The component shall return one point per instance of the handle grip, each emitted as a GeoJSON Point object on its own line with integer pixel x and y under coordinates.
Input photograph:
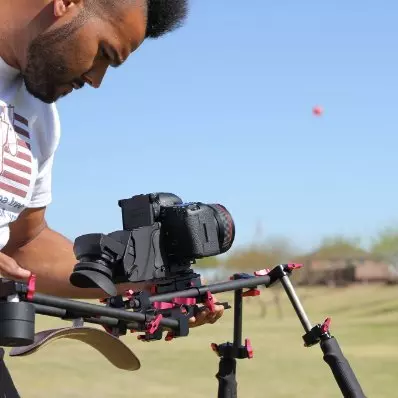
{"type": "Point", "coordinates": [341, 369]}
{"type": "Point", "coordinates": [227, 385]}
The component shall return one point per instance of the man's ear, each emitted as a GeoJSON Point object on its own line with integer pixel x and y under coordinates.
{"type": "Point", "coordinates": [61, 7]}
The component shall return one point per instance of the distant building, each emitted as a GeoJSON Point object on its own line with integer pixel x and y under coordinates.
{"type": "Point", "coordinates": [358, 267]}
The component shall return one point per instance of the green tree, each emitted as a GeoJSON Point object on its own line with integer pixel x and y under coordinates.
{"type": "Point", "coordinates": [339, 247]}
{"type": "Point", "coordinates": [385, 245]}
{"type": "Point", "coordinates": [273, 251]}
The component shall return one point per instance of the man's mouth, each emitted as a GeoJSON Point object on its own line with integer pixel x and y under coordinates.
{"type": "Point", "coordinates": [75, 85]}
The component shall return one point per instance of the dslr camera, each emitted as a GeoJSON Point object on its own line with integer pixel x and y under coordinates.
{"type": "Point", "coordinates": [160, 240]}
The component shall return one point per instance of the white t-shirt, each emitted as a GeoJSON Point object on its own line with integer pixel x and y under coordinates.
{"type": "Point", "coordinates": [29, 137]}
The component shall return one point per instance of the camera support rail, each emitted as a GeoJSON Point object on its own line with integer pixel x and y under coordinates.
{"type": "Point", "coordinates": [19, 303]}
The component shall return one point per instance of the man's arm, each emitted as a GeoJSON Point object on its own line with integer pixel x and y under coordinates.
{"type": "Point", "coordinates": [49, 255]}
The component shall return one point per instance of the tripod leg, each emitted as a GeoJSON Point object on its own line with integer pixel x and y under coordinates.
{"type": "Point", "coordinates": [7, 387]}
{"type": "Point", "coordinates": [227, 385]}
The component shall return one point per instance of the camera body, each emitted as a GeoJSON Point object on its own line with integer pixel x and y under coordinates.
{"type": "Point", "coordinates": [188, 230]}
{"type": "Point", "coordinates": [161, 238]}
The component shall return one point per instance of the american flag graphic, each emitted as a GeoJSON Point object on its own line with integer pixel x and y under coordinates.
{"type": "Point", "coordinates": [15, 154]}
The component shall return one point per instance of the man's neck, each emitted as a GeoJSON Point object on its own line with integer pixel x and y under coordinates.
{"type": "Point", "coordinates": [20, 22]}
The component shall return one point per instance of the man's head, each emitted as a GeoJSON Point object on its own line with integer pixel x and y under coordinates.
{"type": "Point", "coordinates": [82, 38]}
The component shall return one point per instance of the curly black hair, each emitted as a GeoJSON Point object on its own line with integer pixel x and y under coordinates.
{"type": "Point", "coordinates": [165, 16]}
{"type": "Point", "coordinates": [162, 16]}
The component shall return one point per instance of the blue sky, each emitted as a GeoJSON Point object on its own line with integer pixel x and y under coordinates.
{"type": "Point", "coordinates": [220, 111]}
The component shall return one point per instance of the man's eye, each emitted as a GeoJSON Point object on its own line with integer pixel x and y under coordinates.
{"type": "Point", "coordinates": [109, 54]}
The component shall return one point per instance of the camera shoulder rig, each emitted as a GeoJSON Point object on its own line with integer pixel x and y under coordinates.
{"type": "Point", "coordinates": [152, 315]}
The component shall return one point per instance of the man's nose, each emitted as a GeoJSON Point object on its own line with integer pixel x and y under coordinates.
{"type": "Point", "coordinates": [95, 76]}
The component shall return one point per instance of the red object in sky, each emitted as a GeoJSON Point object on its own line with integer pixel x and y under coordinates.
{"type": "Point", "coordinates": [317, 110]}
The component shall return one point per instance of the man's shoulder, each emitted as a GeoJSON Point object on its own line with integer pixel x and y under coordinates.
{"type": "Point", "coordinates": [46, 117]}
{"type": "Point", "coordinates": [37, 121]}
{"type": "Point", "coordinates": [46, 126]}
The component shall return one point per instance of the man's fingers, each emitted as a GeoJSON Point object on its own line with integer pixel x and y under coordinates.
{"type": "Point", "coordinates": [217, 314]}
{"type": "Point", "coordinates": [16, 272]}
{"type": "Point", "coordinates": [205, 316]}
{"type": "Point", "coordinates": [10, 269]}
{"type": "Point", "coordinates": [200, 318]}
{"type": "Point", "coordinates": [21, 273]}
{"type": "Point", "coordinates": [213, 317]}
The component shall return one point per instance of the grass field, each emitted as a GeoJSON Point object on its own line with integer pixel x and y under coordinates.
{"type": "Point", "coordinates": [364, 320]}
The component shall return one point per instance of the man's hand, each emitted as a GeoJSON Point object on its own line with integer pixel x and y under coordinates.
{"type": "Point", "coordinates": [205, 316]}
{"type": "Point", "coordinates": [10, 269]}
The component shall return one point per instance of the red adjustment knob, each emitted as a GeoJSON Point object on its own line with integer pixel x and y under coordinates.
{"type": "Point", "coordinates": [31, 287]}
{"type": "Point", "coordinates": [249, 348]}
{"type": "Point", "coordinates": [103, 300]}
{"type": "Point", "coordinates": [154, 324]}
{"type": "Point", "coordinates": [214, 347]}
{"type": "Point", "coordinates": [325, 325]}
{"type": "Point", "coordinates": [294, 266]}
{"type": "Point", "coordinates": [251, 293]}
{"type": "Point", "coordinates": [184, 300]}
{"type": "Point", "coordinates": [153, 289]}
{"type": "Point", "coordinates": [209, 302]}
{"type": "Point", "coordinates": [169, 336]}
{"type": "Point", "coordinates": [262, 272]}
{"type": "Point", "coordinates": [159, 305]}
{"type": "Point", "coordinates": [129, 294]}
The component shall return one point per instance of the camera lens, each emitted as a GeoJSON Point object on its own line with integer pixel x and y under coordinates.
{"type": "Point", "coordinates": [226, 227]}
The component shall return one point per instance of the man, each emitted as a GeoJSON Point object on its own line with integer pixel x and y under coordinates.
{"type": "Point", "coordinates": [48, 48]}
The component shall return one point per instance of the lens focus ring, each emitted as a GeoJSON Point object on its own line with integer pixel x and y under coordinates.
{"type": "Point", "coordinates": [226, 227]}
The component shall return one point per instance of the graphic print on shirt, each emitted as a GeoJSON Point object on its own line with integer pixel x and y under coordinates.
{"type": "Point", "coordinates": [15, 157]}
